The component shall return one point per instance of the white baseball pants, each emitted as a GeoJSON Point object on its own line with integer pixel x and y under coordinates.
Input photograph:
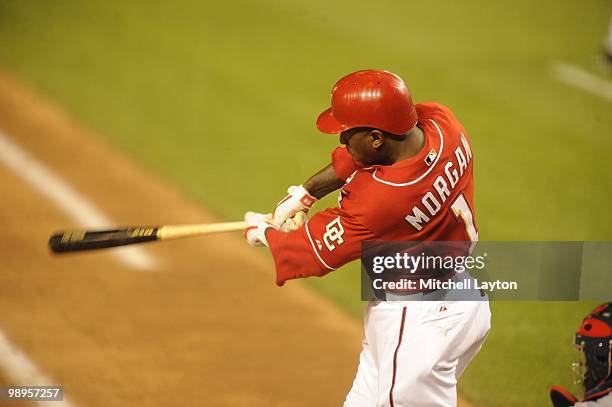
{"type": "Point", "coordinates": [414, 352]}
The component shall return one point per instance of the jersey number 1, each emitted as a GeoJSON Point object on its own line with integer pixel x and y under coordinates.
{"type": "Point", "coordinates": [462, 211]}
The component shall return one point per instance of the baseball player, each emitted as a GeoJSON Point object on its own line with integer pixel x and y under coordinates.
{"type": "Point", "coordinates": [594, 343]}
{"type": "Point", "coordinates": [405, 173]}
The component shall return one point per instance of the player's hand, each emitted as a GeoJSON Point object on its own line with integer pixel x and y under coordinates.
{"type": "Point", "coordinates": [298, 200]}
{"type": "Point", "coordinates": [257, 224]}
{"type": "Point", "coordinates": [294, 223]}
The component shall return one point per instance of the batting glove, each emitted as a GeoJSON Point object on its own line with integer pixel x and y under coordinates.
{"type": "Point", "coordinates": [257, 224]}
{"type": "Point", "coordinates": [294, 223]}
{"type": "Point", "coordinates": [298, 200]}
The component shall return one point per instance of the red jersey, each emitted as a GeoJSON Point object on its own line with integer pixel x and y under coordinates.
{"type": "Point", "coordinates": [425, 197]}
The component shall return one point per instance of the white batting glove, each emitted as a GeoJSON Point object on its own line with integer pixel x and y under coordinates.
{"type": "Point", "coordinates": [298, 200]}
{"type": "Point", "coordinates": [257, 224]}
{"type": "Point", "coordinates": [294, 223]}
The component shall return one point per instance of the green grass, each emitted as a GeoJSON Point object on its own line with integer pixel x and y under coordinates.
{"type": "Point", "coordinates": [221, 97]}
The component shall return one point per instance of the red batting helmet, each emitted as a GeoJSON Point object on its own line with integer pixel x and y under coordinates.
{"type": "Point", "coordinates": [369, 98]}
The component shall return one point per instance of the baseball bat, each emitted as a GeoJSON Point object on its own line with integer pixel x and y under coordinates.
{"type": "Point", "coordinates": [79, 240]}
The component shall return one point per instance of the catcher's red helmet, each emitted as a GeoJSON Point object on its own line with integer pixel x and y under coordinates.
{"type": "Point", "coordinates": [369, 98]}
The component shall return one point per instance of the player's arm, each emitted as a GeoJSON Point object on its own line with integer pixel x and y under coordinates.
{"type": "Point", "coordinates": [325, 181]}
{"type": "Point", "coordinates": [328, 240]}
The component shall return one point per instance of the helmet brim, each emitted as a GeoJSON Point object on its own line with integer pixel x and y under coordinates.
{"type": "Point", "coordinates": [326, 123]}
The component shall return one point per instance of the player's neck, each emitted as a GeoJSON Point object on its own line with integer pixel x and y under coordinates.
{"type": "Point", "coordinates": [410, 146]}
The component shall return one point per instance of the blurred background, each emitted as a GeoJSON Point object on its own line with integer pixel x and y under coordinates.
{"type": "Point", "coordinates": [220, 99]}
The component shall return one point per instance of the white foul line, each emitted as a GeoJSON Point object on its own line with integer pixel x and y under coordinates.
{"type": "Point", "coordinates": [581, 79]}
{"type": "Point", "coordinates": [66, 198]}
{"type": "Point", "coordinates": [23, 372]}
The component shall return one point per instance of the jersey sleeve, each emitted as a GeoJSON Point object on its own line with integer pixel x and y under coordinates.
{"type": "Point", "coordinates": [343, 163]}
{"type": "Point", "coordinates": [328, 240]}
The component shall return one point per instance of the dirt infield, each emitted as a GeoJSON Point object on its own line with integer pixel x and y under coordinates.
{"type": "Point", "coordinates": [203, 326]}
{"type": "Point", "coordinates": [206, 327]}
